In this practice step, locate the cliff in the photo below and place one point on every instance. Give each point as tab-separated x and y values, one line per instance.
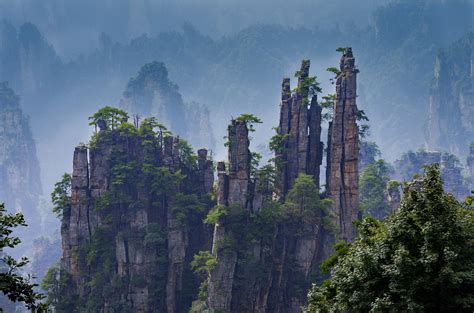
140	210
412	163
300	127
137	202
270	235
20	185
470	165
343	149
152	93
451	101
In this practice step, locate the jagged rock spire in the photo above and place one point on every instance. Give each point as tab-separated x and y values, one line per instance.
343	149
300	123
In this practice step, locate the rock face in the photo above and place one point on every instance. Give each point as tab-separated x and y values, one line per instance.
412	163
300	124
451	101
451	173
470	165
268	270
343	149
237	192
393	195
151	93
20	185
137	203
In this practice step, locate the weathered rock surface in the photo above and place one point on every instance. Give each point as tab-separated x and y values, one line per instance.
134	225
451	102
393	195
343	149
233	191
20	185
151	93
470	165
412	163
300	123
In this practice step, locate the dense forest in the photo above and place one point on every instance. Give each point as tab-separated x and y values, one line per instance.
259	163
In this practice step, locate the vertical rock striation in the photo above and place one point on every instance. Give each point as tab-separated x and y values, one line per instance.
300	128
451	102
20	186
233	188
412	163
302	153
137	203
470	165
343	149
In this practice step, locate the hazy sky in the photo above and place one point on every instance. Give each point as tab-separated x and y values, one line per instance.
73	26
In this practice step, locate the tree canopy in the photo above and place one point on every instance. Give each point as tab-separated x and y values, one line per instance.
421	259
112	117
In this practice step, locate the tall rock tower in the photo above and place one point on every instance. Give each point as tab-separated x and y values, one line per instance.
343	149
470	164
300	123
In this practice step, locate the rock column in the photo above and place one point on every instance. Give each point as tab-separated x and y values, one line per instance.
233	188
300	124
343	151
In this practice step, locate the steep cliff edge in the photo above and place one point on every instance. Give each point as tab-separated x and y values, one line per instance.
412	163
151	93
140	211
20	185
451	103
138	198
300	129
272	225
343	149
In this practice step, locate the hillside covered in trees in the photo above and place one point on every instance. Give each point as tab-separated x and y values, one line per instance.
236	163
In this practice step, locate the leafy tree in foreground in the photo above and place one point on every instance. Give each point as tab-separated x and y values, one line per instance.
421	259
13	285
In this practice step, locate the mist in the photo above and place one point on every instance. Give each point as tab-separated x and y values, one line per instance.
74	27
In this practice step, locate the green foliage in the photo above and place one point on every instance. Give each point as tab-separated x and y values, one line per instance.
255	158
150	130
164	181
336	73
364	131
52	285
203	263
154	235
187	155
216	214
334	70
328	107
13	284
112	117
303	201
420	259
267	180
278	142
184	204
372	189
393	184
249	119
343	50
61	195
361	116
